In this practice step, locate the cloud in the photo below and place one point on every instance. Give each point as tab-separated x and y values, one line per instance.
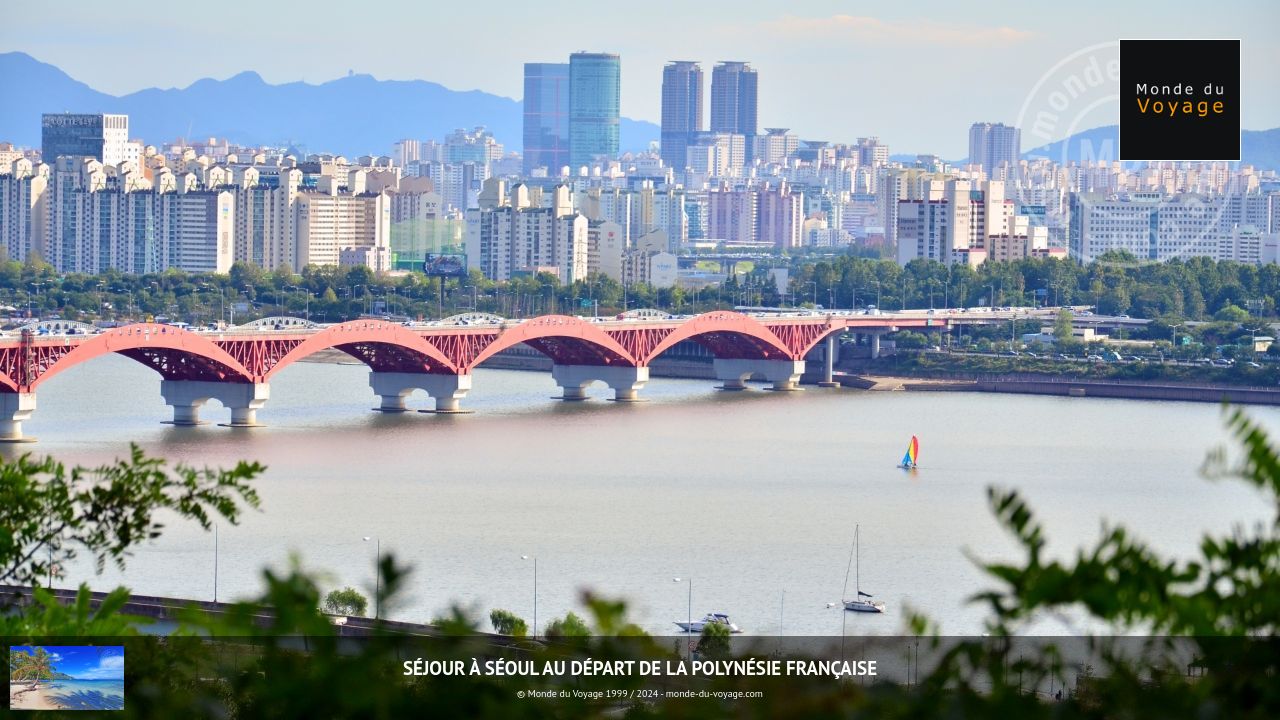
870	30
110	667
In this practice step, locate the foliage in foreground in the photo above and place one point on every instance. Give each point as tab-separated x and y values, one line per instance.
284	658
49	515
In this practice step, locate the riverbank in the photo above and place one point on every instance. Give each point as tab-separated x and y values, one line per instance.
890	375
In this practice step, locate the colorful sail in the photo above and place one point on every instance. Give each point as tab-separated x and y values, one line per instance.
913	452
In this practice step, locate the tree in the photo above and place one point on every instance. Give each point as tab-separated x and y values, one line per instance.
49	514
506	622
1232	314
571	626
1063	329
347	601
714	640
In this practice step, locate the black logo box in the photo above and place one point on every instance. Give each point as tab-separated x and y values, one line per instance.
1188	65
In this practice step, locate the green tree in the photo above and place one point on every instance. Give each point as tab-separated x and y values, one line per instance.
714	640
506	622
1232	314
49	514
570	626
1063	328
347	601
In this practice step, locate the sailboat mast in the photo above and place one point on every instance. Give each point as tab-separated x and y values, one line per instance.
845	592
857	578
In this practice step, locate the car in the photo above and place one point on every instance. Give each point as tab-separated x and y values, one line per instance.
1031	354
1253	364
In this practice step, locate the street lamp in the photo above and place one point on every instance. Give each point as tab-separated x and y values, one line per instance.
377	588
215	562
535	592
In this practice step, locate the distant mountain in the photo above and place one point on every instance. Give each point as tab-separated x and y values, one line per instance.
353	115
1259	148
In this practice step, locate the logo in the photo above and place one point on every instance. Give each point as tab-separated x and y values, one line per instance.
1180	100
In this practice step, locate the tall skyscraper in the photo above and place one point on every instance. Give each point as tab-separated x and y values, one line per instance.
546	116
681	110
734	87
595	82
101	137
994	144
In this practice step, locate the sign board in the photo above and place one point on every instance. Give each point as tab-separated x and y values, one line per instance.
445	265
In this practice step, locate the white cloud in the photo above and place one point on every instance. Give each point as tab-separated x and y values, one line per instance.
110	667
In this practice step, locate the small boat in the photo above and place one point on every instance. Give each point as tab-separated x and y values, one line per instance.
858	603
913	452
708	619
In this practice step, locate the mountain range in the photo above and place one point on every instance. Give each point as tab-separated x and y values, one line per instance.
346	115
353	115
1259	148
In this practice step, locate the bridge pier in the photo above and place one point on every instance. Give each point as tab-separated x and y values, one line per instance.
188	396
626	381
394	388
14	409
734	372
829	362
875	345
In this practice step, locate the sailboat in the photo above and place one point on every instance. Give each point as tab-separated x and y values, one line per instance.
913	452
858	603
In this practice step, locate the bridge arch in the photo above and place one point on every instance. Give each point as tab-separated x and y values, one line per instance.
58	327
382	345
566	340
279	322
474	318
728	335
175	353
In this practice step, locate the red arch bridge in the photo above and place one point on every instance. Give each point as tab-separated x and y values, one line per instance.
235	365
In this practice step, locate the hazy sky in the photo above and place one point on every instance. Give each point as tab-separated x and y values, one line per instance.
914	73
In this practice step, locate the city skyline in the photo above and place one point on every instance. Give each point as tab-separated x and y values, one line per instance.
815	60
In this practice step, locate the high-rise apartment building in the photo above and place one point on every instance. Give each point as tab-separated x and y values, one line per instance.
595	82
102	137
681	110
329	222
508	233
1158	226
546	117
734	102
994	145
957	221
22	210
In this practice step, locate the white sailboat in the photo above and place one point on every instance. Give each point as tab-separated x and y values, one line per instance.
858	603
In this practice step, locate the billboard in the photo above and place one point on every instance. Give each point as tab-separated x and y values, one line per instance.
445	265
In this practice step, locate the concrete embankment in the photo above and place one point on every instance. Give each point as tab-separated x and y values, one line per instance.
865	378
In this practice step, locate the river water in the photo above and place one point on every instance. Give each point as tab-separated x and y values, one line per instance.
753	495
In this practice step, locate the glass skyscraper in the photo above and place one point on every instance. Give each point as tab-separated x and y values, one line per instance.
546	116
681	110
734	101
595	81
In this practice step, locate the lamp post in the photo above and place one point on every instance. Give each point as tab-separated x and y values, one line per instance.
535	592
215	562
689	626
377	588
